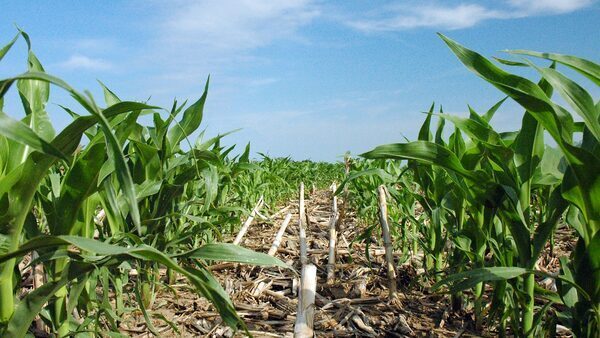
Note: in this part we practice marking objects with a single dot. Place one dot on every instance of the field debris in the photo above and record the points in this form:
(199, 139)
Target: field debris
(355, 304)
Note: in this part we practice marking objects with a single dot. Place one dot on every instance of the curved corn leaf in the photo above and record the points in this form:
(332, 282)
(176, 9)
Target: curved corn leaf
(528, 94)
(468, 279)
(510, 62)
(588, 68)
(34, 96)
(233, 253)
(79, 183)
(203, 281)
(29, 307)
(424, 151)
(490, 112)
(190, 121)
(21, 133)
(577, 97)
(8, 46)
(384, 175)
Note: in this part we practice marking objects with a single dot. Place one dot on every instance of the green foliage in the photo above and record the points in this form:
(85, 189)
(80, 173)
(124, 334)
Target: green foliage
(134, 196)
(491, 201)
(479, 205)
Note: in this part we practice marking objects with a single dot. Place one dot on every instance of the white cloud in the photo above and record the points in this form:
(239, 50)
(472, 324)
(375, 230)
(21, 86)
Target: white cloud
(458, 16)
(191, 39)
(461, 16)
(79, 61)
(236, 24)
(549, 6)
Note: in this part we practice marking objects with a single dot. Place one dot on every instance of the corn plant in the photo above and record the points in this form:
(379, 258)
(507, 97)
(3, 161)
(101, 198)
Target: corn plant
(496, 173)
(580, 187)
(360, 187)
(51, 189)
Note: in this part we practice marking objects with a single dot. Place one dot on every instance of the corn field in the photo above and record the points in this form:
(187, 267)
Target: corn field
(100, 220)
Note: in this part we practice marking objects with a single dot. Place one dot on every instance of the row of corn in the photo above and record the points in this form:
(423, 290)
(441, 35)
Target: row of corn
(85, 207)
(482, 206)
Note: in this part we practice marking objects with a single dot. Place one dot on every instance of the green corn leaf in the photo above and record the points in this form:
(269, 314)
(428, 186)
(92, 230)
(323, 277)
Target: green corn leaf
(111, 208)
(384, 175)
(245, 157)
(8, 46)
(21, 133)
(211, 184)
(440, 128)
(566, 290)
(468, 279)
(79, 183)
(555, 210)
(583, 189)
(233, 253)
(206, 145)
(588, 68)
(190, 121)
(122, 172)
(528, 147)
(577, 97)
(110, 98)
(477, 131)
(558, 122)
(28, 308)
(34, 96)
(425, 131)
(551, 169)
(424, 151)
(212, 290)
(490, 113)
(147, 319)
(511, 62)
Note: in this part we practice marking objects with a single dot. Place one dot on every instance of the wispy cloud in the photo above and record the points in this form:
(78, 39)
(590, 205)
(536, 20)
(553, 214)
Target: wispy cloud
(236, 24)
(458, 16)
(549, 6)
(191, 39)
(405, 17)
(78, 61)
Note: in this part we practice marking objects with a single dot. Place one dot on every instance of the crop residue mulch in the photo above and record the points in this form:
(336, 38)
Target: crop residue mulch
(355, 305)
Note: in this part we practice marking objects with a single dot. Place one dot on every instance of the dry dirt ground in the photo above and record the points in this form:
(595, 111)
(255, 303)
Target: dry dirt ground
(355, 305)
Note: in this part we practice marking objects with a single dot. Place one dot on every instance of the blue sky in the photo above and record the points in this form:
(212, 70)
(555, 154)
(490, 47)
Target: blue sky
(310, 79)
